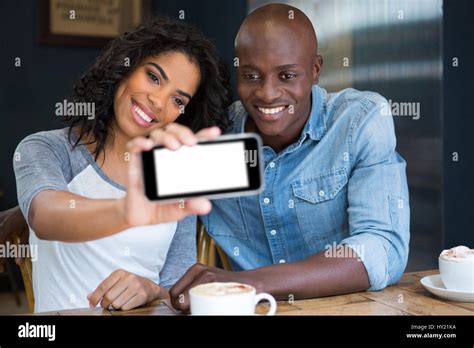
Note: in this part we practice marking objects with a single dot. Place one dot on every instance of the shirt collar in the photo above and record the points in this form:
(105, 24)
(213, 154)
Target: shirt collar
(315, 127)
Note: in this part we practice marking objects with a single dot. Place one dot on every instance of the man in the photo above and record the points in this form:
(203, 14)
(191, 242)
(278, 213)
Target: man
(331, 176)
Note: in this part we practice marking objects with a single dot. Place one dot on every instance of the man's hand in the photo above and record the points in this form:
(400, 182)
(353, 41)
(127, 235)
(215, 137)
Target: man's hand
(12, 221)
(200, 274)
(124, 290)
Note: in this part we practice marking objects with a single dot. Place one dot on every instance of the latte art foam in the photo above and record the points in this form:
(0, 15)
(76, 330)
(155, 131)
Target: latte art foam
(221, 289)
(458, 253)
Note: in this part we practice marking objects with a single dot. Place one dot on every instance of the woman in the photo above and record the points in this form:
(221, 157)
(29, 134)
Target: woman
(100, 241)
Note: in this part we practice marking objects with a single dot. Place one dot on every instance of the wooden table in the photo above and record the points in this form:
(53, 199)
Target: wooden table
(408, 297)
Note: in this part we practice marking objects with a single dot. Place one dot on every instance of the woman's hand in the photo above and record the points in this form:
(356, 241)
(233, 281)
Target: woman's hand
(124, 290)
(51, 217)
(137, 209)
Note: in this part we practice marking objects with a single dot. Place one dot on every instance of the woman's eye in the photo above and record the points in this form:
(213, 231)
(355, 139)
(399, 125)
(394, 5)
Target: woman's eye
(178, 101)
(154, 78)
(288, 76)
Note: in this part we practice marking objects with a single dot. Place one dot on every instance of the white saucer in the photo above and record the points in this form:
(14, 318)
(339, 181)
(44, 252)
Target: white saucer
(434, 285)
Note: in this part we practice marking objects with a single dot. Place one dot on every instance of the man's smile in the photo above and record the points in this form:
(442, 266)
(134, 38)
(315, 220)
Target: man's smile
(270, 113)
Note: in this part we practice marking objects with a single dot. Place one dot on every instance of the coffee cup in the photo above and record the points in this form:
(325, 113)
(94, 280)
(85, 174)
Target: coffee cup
(227, 299)
(456, 268)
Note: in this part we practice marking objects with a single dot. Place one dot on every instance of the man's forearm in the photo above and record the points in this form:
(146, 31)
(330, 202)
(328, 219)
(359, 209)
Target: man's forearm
(316, 276)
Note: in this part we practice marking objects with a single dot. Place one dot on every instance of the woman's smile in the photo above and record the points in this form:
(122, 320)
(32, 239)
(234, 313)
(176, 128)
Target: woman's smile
(141, 115)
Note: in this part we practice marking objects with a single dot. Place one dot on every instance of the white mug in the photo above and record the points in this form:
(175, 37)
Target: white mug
(457, 274)
(227, 299)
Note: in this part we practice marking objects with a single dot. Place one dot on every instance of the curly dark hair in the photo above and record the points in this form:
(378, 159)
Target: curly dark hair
(208, 107)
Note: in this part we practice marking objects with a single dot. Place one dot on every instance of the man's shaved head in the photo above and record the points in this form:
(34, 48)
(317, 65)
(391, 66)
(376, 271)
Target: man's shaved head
(278, 64)
(268, 20)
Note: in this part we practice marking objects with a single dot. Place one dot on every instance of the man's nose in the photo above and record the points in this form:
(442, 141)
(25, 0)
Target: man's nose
(268, 92)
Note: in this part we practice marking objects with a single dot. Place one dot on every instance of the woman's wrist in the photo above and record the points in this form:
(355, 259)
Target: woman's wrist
(156, 292)
(120, 212)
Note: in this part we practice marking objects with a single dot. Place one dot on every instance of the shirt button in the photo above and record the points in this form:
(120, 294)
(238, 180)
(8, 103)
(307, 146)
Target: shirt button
(266, 200)
(282, 261)
(321, 193)
(273, 232)
(272, 164)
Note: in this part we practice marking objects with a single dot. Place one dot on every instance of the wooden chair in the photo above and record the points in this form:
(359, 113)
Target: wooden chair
(26, 268)
(207, 250)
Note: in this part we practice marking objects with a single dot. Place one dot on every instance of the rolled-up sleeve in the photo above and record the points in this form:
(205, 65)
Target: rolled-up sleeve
(378, 203)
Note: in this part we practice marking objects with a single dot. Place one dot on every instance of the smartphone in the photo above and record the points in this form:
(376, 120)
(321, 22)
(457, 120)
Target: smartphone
(228, 166)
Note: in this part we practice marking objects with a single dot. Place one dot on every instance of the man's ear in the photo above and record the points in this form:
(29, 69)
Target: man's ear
(317, 66)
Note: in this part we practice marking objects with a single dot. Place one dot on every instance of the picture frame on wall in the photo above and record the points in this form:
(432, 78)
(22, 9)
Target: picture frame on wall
(90, 23)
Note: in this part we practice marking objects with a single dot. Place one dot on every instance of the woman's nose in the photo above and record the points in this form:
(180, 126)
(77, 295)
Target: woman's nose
(156, 101)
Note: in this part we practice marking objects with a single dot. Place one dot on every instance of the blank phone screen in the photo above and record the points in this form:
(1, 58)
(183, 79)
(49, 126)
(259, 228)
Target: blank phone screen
(201, 168)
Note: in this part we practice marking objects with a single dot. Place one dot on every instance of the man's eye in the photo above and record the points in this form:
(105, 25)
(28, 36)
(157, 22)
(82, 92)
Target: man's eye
(154, 78)
(251, 76)
(288, 76)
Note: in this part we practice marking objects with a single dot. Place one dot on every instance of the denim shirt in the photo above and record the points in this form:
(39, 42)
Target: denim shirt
(341, 182)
